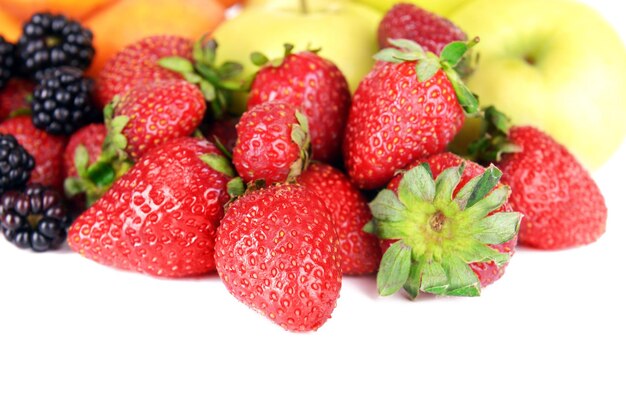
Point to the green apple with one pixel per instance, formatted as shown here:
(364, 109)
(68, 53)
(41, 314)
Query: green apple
(440, 7)
(555, 64)
(344, 31)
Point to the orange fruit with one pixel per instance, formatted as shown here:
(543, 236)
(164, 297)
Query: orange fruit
(10, 28)
(228, 3)
(127, 21)
(77, 9)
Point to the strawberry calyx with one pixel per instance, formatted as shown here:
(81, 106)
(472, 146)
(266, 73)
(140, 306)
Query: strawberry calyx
(95, 179)
(450, 61)
(493, 141)
(300, 135)
(438, 234)
(217, 83)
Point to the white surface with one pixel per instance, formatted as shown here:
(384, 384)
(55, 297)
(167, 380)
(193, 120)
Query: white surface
(81, 340)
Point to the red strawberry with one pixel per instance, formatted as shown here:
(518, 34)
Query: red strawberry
(316, 87)
(562, 204)
(405, 109)
(272, 143)
(487, 272)
(360, 252)
(408, 21)
(138, 64)
(46, 149)
(91, 137)
(161, 217)
(451, 232)
(159, 112)
(14, 96)
(277, 252)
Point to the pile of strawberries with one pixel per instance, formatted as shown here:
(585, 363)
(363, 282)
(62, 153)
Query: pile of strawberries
(311, 183)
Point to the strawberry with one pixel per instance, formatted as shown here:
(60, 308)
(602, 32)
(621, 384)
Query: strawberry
(408, 21)
(14, 96)
(272, 143)
(46, 149)
(159, 112)
(562, 205)
(446, 232)
(360, 252)
(91, 137)
(408, 107)
(161, 217)
(138, 63)
(223, 132)
(313, 85)
(277, 253)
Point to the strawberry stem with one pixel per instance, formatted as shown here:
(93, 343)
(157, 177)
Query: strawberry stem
(304, 7)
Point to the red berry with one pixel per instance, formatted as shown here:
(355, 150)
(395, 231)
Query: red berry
(14, 96)
(277, 253)
(46, 149)
(562, 205)
(161, 217)
(265, 148)
(316, 87)
(91, 137)
(138, 64)
(159, 112)
(360, 252)
(408, 21)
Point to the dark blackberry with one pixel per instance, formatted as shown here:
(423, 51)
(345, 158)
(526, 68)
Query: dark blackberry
(7, 61)
(35, 218)
(62, 101)
(15, 164)
(50, 41)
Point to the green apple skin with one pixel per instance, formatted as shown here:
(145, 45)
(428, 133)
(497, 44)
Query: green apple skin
(345, 33)
(440, 7)
(557, 65)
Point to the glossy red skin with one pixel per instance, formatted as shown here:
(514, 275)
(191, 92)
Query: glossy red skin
(138, 64)
(161, 217)
(277, 253)
(264, 149)
(159, 112)
(91, 137)
(487, 272)
(46, 149)
(396, 119)
(408, 21)
(316, 87)
(360, 251)
(562, 205)
(14, 96)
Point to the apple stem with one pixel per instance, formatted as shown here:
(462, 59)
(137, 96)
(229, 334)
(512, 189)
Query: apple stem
(303, 7)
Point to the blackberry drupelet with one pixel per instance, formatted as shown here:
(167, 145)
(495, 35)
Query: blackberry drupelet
(50, 41)
(62, 101)
(16, 164)
(7, 61)
(36, 218)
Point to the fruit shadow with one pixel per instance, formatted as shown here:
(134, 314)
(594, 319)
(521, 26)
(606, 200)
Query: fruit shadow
(367, 285)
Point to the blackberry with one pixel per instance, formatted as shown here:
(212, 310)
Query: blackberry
(15, 164)
(7, 61)
(62, 101)
(36, 218)
(50, 41)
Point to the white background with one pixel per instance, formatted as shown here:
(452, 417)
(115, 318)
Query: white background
(81, 340)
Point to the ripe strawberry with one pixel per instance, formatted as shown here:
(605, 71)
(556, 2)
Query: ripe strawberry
(138, 63)
(91, 137)
(408, 21)
(317, 88)
(159, 112)
(14, 96)
(161, 217)
(562, 205)
(277, 252)
(409, 106)
(448, 232)
(360, 252)
(272, 143)
(46, 149)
